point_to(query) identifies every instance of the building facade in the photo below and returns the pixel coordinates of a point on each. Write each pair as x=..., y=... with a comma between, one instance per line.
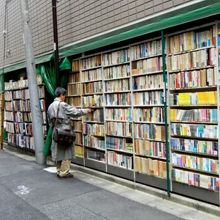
x=77, y=20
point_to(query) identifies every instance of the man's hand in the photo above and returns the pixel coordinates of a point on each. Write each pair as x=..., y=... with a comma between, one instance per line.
x=89, y=110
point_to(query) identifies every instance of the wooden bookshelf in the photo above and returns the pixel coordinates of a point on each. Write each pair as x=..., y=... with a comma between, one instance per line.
x=18, y=119
x=193, y=117
x=128, y=84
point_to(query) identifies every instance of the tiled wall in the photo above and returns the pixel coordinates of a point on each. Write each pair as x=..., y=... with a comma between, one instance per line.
x=77, y=19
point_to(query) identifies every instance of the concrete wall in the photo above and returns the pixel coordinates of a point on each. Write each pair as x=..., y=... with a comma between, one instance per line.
x=77, y=19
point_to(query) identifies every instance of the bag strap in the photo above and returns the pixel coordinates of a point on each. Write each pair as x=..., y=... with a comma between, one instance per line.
x=58, y=109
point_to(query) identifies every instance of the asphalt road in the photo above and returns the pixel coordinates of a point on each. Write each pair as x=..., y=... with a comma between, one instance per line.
x=29, y=192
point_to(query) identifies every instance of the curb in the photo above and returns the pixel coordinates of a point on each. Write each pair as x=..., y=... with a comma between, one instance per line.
x=201, y=206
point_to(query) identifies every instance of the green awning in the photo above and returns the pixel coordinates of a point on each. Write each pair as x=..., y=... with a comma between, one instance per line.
x=187, y=14
x=40, y=59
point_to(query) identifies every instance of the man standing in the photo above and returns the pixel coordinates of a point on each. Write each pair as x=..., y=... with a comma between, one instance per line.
x=62, y=154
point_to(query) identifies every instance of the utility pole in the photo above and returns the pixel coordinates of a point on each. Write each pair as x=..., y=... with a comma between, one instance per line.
x=33, y=88
x=56, y=46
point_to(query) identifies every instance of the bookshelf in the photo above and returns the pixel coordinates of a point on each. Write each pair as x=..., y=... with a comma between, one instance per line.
x=17, y=115
x=127, y=133
x=1, y=119
x=118, y=112
x=74, y=92
x=193, y=108
x=148, y=113
x=93, y=124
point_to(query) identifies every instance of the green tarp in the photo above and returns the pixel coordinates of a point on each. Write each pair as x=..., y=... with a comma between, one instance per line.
x=47, y=72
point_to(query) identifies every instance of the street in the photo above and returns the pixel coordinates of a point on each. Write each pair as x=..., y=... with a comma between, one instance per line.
x=29, y=192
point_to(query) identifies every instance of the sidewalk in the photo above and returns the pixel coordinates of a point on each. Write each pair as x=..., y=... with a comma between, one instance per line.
x=29, y=192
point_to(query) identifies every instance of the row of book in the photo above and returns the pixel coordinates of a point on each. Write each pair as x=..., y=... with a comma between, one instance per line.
x=96, y=116
x=191, y=40
x=74, y=78
x=92, y=141
x=194, y=146
x=9, y=127
x=93, y=129
x=149, y=131
x=77, y=125
x=22, y=94
x=148, y=82
x=75, y=66
x=9, y=106
x=196, y=163
x=148, y=98
x=91, y=62
x=150, y=114
x=93, y=100
x=118, y=99
x=191, y=60
x=79, y=139
x=8, y=95
x=120, y=160
x=194, y=130
x=153, y=114
x=194, y=98
x=147, y=49
x=124, y=114
x=25, y=105
x=150, y=167
x=115, y=72
x=93, y=87
x=194, y=115
x=116, y=57
x=21, y=83
x=21, y=128
x=192, y=79
x=73, y=89
x=117, y=85
x=88, y=75
x=119, y=129
x=95, y=155
x=9, y=116
x=74, y=101
x=144, y=82
x=150, y=148
x=196, y=179
x=119, y=144
x=149, y=65
x=21, y=116
x=21, y=140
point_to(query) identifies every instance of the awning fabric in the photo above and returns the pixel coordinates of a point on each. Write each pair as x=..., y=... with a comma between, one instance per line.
x=191, y=13
x=40, y=59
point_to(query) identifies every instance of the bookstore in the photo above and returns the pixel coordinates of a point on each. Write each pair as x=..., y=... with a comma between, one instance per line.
x=155, y=95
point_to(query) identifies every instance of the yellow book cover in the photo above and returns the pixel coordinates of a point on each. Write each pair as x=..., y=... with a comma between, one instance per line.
x=173, y=113
x=137, y=164
x=144, y=165
x=136, y=144
x=184, y=99
x=185, y=130
x=206, y=98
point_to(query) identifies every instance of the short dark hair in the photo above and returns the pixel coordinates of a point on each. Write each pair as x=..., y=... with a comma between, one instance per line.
x=60, y=91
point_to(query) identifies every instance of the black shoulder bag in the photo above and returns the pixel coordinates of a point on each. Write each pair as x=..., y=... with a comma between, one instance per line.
x=63, y=136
